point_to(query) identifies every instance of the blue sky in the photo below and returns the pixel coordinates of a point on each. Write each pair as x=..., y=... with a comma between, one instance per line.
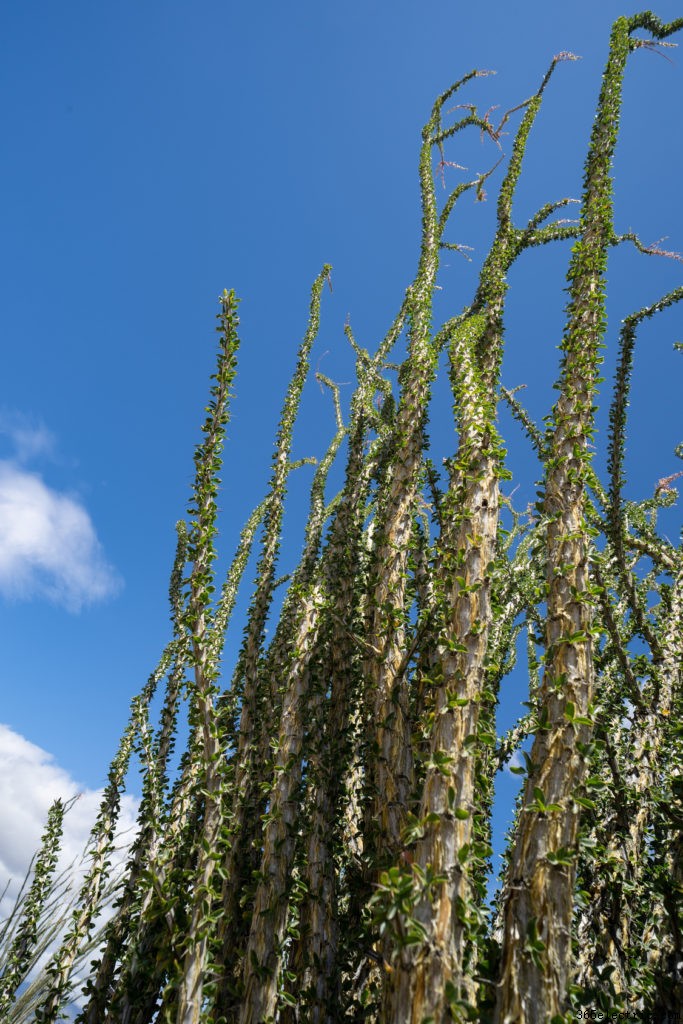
x=158, y=152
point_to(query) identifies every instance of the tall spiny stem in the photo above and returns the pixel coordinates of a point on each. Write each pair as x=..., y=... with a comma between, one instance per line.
x=538, y=903
x=203, y=718
x=255, y=703
x=392, y=772
x=292, y=666
x=435, y=973
x=18, y=958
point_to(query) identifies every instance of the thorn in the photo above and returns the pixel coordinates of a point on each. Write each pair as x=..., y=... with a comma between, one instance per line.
x=317, y=368
x=665, y=483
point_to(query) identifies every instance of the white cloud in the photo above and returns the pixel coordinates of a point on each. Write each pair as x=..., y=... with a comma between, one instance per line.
x=30, y=438
x=516, y=761
x=30, y=781
x=48, y=545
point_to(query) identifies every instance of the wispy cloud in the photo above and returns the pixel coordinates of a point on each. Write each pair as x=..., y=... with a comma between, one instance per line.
x=30, y=781
x=29, y=437
x=48, y=544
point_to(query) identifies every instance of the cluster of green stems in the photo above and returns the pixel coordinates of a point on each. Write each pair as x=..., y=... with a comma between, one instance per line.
x=321, y=850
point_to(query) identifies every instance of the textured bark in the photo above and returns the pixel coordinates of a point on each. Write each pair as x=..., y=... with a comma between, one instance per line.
x=417, y=986
x=539, y=897
x=538, y=903
x=393, y=769
x=431, y=978
x=388, y=704
x=315, y=956
x=269, y=917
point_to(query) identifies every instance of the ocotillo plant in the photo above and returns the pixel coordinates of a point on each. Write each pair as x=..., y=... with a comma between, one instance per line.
x=322, y=849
